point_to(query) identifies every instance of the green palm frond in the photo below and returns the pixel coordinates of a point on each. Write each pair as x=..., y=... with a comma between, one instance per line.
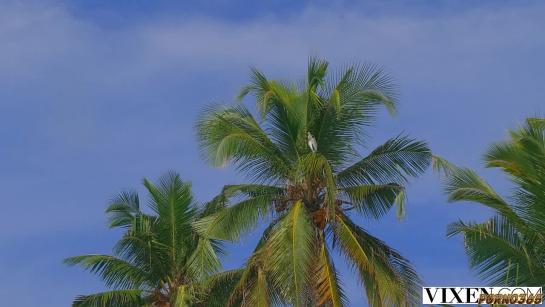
x=205, y=261
x=353, y=97
x=278, y=103
x=508, y=248
x=374, y=200
x=244, y=292
x=267, y=92
x=219, y=288
x=442, y=166
x=115, y=272
x=251, y=190
x=316, y=73
x=465, y=185
x=285, y=125
x=291, y=248
x=121, y=298
x=236, y=219
x=173, y=201
x=258, y=291
x=497, y=251
x=362, y=88
x=232, y=222
x=123, y=208
x=392, y=278
x=255, y=287
x=215, y=205
x=391, y=162
x=232, y=134
x=140, y=247
x=184, y=296
x=160, y=258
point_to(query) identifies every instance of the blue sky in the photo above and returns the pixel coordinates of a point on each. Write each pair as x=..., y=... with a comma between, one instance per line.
x=96, y=95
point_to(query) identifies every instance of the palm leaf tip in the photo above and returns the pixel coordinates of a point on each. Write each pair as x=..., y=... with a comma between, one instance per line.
x=442, y=166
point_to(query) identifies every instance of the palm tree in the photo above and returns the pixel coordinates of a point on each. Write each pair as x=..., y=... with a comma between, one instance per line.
x=160, y=260
x=509, y=248
x=306, y=178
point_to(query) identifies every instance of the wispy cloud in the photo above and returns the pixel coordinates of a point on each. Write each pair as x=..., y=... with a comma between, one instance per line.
x=37, y=38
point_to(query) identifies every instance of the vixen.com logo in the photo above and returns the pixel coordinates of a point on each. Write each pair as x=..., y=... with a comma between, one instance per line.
x=482, y=295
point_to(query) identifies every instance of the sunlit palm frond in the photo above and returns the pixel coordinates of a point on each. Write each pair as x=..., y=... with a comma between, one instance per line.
x=291, y=248
x=393, y=280
x=184, y=296
x=255, y=275
x=258, y=291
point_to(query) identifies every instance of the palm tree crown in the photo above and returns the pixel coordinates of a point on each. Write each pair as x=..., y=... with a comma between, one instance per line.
x=509, y=248
x=301, y=154
x=160, y=260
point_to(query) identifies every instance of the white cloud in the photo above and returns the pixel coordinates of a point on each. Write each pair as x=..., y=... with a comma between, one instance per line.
x=47, y=37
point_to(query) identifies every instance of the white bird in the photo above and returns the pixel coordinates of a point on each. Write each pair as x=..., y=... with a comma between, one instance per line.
x=312, y=142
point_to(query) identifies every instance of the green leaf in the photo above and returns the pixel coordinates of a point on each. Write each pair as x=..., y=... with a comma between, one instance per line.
x=232, y=222
x=115, y=272
x=121, y=298
x=388, y=277
x=232, y=134
x=375, y=200
x=291, y=250
x=442, y=166
x=204, y=261
x=173, y=202
x=122, y=209
x=391, y=162
x=465, y=185
x=184, y=296
x=220, y=286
